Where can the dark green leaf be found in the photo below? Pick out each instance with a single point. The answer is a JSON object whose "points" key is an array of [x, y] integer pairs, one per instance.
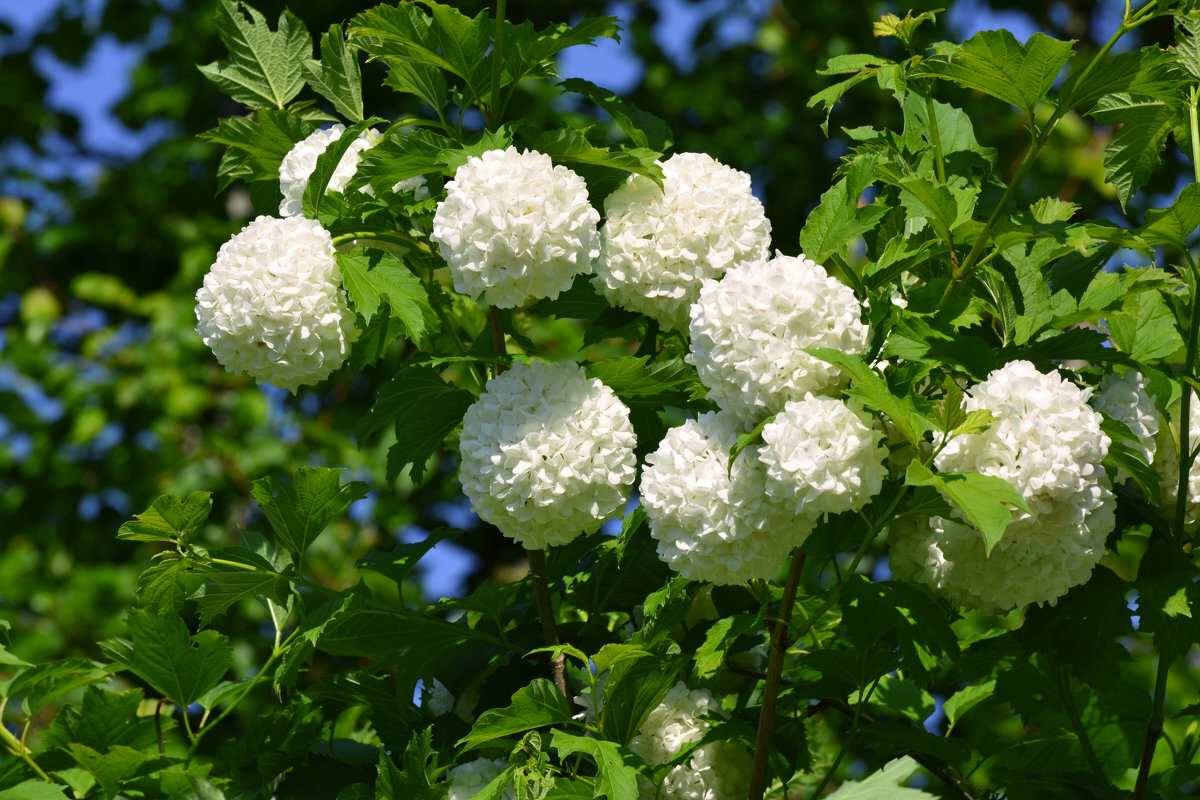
{"points": [[1143, 72], [327, 164], [168, 519], [1174, 224], [634, 688], [985, 500], [872, 390], [179, 667], [642, 128], [257, 144], [388, 281], [300, 509], [1132, 154], [336, 76], [224, 588], [995, 63], [839, 218], [617, 779], [534, 706], [265, 66]]}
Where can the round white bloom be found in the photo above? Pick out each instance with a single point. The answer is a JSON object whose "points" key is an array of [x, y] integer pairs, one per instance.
{"points": [[272, 305], [749, 331], [1166, 462], [1124, 398], [516, 227], [547, 453], [300, 162], [824, 455], [437, 699], [711, 525], [467, 780], [1047, 443], [717, 771], [660, 244]]}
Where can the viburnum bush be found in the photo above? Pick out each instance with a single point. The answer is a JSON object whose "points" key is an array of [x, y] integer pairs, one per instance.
{"points": [[906, 508]]}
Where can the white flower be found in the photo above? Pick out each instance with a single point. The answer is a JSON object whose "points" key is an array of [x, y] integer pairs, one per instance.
{"points": [[516, 227], [437, 699], [1047, 443], [717, 771], [824, 455], [467, 780], [1124, 398], [660, 244], [1166, 462], [750, 329], [300, 162], [272, 305], [547, 453], [417, 185], [710, 525]]}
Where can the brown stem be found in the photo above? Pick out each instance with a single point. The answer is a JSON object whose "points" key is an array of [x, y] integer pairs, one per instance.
{"points": [[779, 645], [497, 332], [537, 569], [162, 748]]}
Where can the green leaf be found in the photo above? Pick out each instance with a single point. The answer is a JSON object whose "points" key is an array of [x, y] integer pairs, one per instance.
{"points": [[634, 688], [415, 781], [33, 790], [300, 509], [169, 519], [388, 281], [995, 63], [838, 218], [886, 784], [1144, 72], [642, 128], [265, 66], [530, 53], [179, 667], [38, 685], [327, 164], [1146, 329], [965, 699], [572, 147], [424, 408], [897, 616], [1174, 224], [102, 720], [1132, 154], [745, 440], [534, 706], [864, 67], [256, 144], [336, 76], [902, 29], [1187, 39], [985, 500], [399, 562], [118, 766], [724, 633], [224, 588], [872, 390], [617, 779], [638, 381]]}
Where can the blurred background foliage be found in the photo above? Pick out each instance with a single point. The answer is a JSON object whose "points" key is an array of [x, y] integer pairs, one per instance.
{"points": [[109, 219]]}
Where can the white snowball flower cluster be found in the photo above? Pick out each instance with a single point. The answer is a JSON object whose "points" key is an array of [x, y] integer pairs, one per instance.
{"points": [[824, 455], [1047, 443], [660, 244], [749, 331], [301, 161], [711, 525], [516, 227], [1166, 462], [272, 305], [467, 780], [1124, 398], [547, 453], [717, 771]]}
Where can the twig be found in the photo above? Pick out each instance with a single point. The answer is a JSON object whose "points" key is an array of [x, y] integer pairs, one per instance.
{"points": [[162, 748], [779, 645], [541, 592]]}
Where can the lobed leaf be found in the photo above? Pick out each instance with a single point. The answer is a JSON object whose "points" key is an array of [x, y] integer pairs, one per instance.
{"points": [[265, 66]]}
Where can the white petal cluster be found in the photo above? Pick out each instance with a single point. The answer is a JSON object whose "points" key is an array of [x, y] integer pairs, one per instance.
{"points": [[437, 699], [515, 227], [467, 780], [716, 771], [272, 305], [823, 455], [1124, 398], [712, 525], [749, 331], [1046, 441], [547, 453], [1166, 462], [300, 162], [660, 244]]}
